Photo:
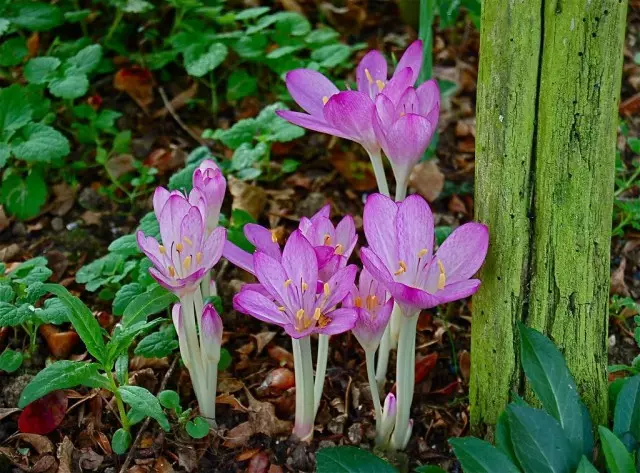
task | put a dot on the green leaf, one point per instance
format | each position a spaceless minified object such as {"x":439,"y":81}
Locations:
{"x":10,"y":360}
{"x":552,"y":382}
{"x":159,"y":344}
{"x":137,"y":6}
{"x":225,"y":360}
{"x":144,"y":402}
{"x":241,"y":84}
{"x":39,"y":70}
{"x":12,"y":316}
{"x":125,"y":295}
{"x":332,"y":55}
{"x":37,"y":274}
{"x":634,"y":145}
{"x":36,"y":16}
{"x":54,"y":312}
{"x":41,"y":143}
{"x":59,"y":375}
{"x":539,"y":442}
{"x":275,"y":128}
{"x":242,"y":132}
{"x":15,"y":111}
{"x":442,"y":232}
{"x":627,"y":411}
{"x":121,"y":441}
{"x":197,"y":428}
{"x":72,"y":85}
{"x":87,"y":59}
{"x":251,"y":46}
{"x":126,"y":245}
{"x":618,"y":459}
{"x":7,"y":294}
{"x":585,"y":466}
{"x":322,"y":36}
{"x":5,"y":153}
{"x":245,"y":156}
{"x":4,"y":25}
{"x":478,"y":456}
{"x":122,"y":369}
{"x":153,"y":301}
{"x":13,"y":51}
{"x":83,"y":321}
{"x":503,"y":438}
{"x":24,"y":198}
{"x":199,"y":62}
{"x":350,"y":460}
{"x":251,"y":13}
{"x":169,"y":399}
{"x":429,"y":469}
{"x":123,"y":337}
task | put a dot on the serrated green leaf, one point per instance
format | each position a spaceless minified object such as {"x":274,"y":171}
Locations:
{"x":126,"y":245}
{"x":54,"y":312}
{"x":144,"y":402}
{"x":619,"y":460}
{"x":38,"y":274}
{"x":478,"y":456}
{"x":87,"y":59}
{"x":13,"y":51}
{"x":41,"y":143}
{"x":7,"y":294}
{"x":552,"y":382}
{"x":627,"y":410}
{"x":155,"y":300}
{"x":241,"y":84}
{"x":199,"y":61}
{"x":332,"y":55}
{"x":350,"y":460}
{"x":125,"y":295}
{"x":72,"y":85}
{"x":123,"y":337}
{"x":15,"y":111}
{"x":83,"y":321}
{"x":10,"y":360}
{"x":245,"y":156}
{"x":251,"y":13}
{"x":242,"y":132}
{"x":40,"y":69}
{"x":24,"y":197}
{"x":197,"y":428}
{"x":59,"y":375}
{"x":158,"y":344}
{"x":36,"y":16}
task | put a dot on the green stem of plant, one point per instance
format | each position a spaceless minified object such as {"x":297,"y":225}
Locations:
{"x":124,"y":420}
{"x":628,"y":183}
{"x":426,"y":35}
{"x":114,"y":25}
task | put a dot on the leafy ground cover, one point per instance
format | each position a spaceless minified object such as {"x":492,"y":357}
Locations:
{"x":101,"y":102}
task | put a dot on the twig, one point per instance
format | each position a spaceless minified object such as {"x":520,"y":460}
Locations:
{"x":163,"y":385}
{"x":177,"y":118}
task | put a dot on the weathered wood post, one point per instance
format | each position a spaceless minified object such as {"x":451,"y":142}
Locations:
{"x":548,"y":90}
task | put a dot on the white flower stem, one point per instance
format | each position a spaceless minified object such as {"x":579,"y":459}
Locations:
{"x":383,"y":357}
{"x":394,"y":323}
{"x":207,"y":401}
{"x":303,"y":370}
{"x":405,"y":379}
{"x":402,"y":182}
{"x":378,"y":171}
{"x":205,"y":285}
{"x":321,"y":370}
{"x":195,"y":364}
{"x":373,"y":386}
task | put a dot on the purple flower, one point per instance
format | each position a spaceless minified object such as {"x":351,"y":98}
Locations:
{"x":349,"y":114}
{"x":289,"y":296}
{"x":187,"y":251}
{"x":400,"y":253}
{"x":211,"y":327}
{"x":373,"y":304}
{"x":262,"y":238}
{"x":208,"y":179}
{"x":404,"y":128}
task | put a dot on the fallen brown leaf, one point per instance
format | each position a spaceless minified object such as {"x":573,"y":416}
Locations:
{"x":357,"y":172}
{"x":65,"y":454}
{"x":427,"y":179}
{"x":59,"y":343}
{"x":247,"y":454}
{"x":45,"y":464}
{"x":137,"y":82}
{"x":631,"y":106}
{"x":259,"y":463}
{"x":618,"y":285}
{"x":262,"y":340}
{"x":252,"y":199}
{"x":41,"y":443}
{"x":162,"y":465}
{"x":179,"y":100}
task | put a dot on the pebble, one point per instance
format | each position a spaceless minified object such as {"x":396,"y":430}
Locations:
{"x":57,"y":224}
{"x":90,"y":199}
{"x":354,"y":434}
{"x":336,"y":425}
{"x":19,"y":229}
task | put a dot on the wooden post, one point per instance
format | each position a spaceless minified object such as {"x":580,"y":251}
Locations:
{"x":548,"y":89}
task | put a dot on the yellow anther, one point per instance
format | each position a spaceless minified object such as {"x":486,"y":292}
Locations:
{"x":162,"y":249}
{"x":442,"y":280}
{"x":305,"y":286}
{"x":402,"y":114}
{"x":188,"y":241}
{"x":380,"y":85}
{"x":372,"y":301}
{"x":187,"y":262}
{"x":198,"y":257}
{"x":368,"y":74}
{"x":339,"y":249}
{"x":300,"y":314}
{"x":179,"y":247}
{"x":281,"y":308}
{"x":286,"y":283}
{"x":402,"y":269}
{"x":326,"y":289}
{"x":358,"y":301}
{"x":327,"y":240}
{"x":422,"y":252}
{"x":325,"y":99}
{"x":317,"y":313}
{"x":323,"y":321}
{"x":172,"y":271}
{"x":274,"y":237}
{"x":306,"y":323}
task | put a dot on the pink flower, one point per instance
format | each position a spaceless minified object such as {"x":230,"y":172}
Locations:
{"x":187,"y":251}
{"x":349,"y":114}
{"x":211,"y":327}
{"x":400,"y":253}
{"x":208,"y":179}
{"x":373,"y":304}
{"x":289,"y":296}
{"x":404,"y":128}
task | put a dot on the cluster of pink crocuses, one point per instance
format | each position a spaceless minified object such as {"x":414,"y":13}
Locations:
{"x":307,"y":287}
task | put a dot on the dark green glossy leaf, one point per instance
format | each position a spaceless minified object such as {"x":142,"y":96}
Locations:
{"x":151,"y":302}
{"x":615,"y":453}
{"x":478,"y":456}
{"x":627,"y":412}
{"x":350,"y":460}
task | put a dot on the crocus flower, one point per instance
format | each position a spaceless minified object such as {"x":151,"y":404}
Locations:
{"x":400,"y":253}
{"x":373,"y":304}
{"x":404,"y":128}
{"x":261,"y":238}
{"x":211,"y":329}
{"x":208,"y":179}
{"x":187,"y":251}
{"x":294,"y":302}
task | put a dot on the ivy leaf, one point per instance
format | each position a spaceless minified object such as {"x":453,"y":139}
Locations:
{"x":10,"y":360}
{"x":24,"y":197}
{"x":245,"y":156}
{"x":87,"y":59}
{"x":199,"y":62}
{"x":144,"y":402}
{"x":197,"y":428}
{"x":39,"y":70}
{"x":41,"y":143}
{"x":63,"y":374}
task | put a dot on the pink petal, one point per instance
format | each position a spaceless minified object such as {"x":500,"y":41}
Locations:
{"x":171,"y":217}
{"x":213,"y":247}
{"x":400,"y":81}
{"x":408,"y":103}
{"x":375,"y":266}
{"x":411,"y":298}
{"x":407,"y":139}
{"x":310,"y":122}
{"x":379,"y":228}
{"x":346,"y":235}
{"x":429,"y":98}
{"x":258,"y":306}
{"x":414,"y":226}
{"x":464,"y":251}
{"x":151,"y":248}
{"x":342,"y":320}
{"x":165,"y":280}
{"x":160,"y":197}
{"x":262,"y":239}
{"x":351,"y":113}
{"x":458,"y":290}
{"x":369,"y":327}
{"x":324,"y":254}
{"x":412,"y":58}
{"x":272,"y":276}
{"x":385,"y":110}
{"x":309,"y":88}
{"x":299,"y":259}
{"x":376,"y":65}
{"x":323,"y":212}
{"x":340,"y":285}
{"x":211,"y":324}
{"x":239,"y":257}
{"x":192,"y":230}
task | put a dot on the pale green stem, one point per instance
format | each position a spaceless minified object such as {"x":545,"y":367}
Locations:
{"x":124,"y":420}
{"x":196,"y":370}
{"x":373,"y":386}
{"x":378,"y":171}
{"x":321,"y":370}
{"x":405,"y":379}
{"x":383,"y":357}
{"x":396,"y":318}
{"x":402,"y":182}
{"x":303,"y":370}
{"x":205,"y":285}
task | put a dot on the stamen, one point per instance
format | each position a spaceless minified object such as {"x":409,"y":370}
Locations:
{"x":188,"y":241}
{"x":358,"y":301}
{"x":339,"y":249}
{"x":287,"y":282}
{"x":317,"y":313}
{"x":300,"y":314}
{"x":380,"y":85}
{"x":198,"y":257}
{"x":172,"y":271}
{"x":368,"y":74}
{"x":162,"y":249}
{"x":187,"y":262}
{"x":422,"y":252}
{"x":274,"y":237}
{"x":179,"y":247}
{"x":327,"y":239}
{"x":325,"y":99}
{"x":372,"y":301}
{"x":402,"y":269}
{"x":323,"y":321}
{"x":326,"y":289}
{"x":305,"y":286}
{"x":442,"y":280}
{"x":281,"y":308}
